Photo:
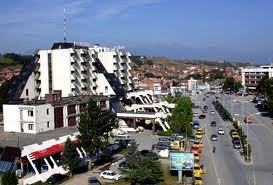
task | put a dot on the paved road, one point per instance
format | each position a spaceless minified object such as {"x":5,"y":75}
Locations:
{"x":260,"y":137}
{"x":225,"y":167}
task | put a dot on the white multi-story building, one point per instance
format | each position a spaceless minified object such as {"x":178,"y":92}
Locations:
{"x":252,"y":76}
{"x":75,"y":70}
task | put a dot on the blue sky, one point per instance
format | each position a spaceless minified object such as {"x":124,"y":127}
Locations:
{"x":239,"y":30}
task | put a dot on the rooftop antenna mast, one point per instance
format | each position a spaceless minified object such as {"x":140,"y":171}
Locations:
{"x":64,"y":25}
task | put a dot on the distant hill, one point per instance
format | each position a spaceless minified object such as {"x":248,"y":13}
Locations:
{"x":139,"y":60}
{"x":13,"y":60}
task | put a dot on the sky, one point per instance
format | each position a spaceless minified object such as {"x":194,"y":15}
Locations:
{"x":235,"y":30}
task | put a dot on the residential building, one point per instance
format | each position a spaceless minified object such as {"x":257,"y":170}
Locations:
{"x":36,"y":116}
{"x":252,"y":76}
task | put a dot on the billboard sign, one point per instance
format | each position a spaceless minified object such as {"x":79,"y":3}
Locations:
{"x":181,"y":161}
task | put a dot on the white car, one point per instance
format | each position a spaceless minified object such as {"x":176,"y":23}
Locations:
{"x":221,"y":131}
{"x":212,"y":112}
{"x":108,"y":174}
{"x":195,"y":114}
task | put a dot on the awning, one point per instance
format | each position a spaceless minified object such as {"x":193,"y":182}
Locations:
{"x":48,"y":151}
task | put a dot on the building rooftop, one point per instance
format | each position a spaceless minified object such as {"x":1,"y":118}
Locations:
{"x":63,"y":101}
{"x":22,"y":139}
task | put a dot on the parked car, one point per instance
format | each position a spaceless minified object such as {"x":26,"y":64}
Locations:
{"x":214,"y":137}
{"x":198,"y":135}
{"x":221,"y":131}
{"x":53,"y":179}
{"x":198,"y":143}
{"x":176,"y":137}
{"x":150,"y":154}
{"x":196,"y":157}
{"x":213,"y":124}
{"x":196,"y":149}
{"x":93,"y":181}
{"x":123,"y":165}
{"x":236,"y":144}
{"x":202,"y":116}
{"x":192,"y":138}
{"x":108,"y":174}
{"x":161,"y":146}
{"x":165,"y":139}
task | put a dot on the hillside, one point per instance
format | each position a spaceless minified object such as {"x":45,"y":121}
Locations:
{"x":14,"y":61}
{"x":180,"y":64}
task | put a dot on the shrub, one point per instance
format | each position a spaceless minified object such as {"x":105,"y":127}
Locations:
{"x":165,"y":133}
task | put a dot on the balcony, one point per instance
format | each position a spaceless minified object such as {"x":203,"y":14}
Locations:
{"x":37,"y":83}
{"x":37,"y":66}
{"x":251,"y":84}
{"x":37,"y":75}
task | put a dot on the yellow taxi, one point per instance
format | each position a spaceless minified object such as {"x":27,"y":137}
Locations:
{"x":234,"y":134}
{"x":198,"y":135}
{"x":201,"y":130}
{"x":198,"y":143}
{"x":196,"y":157}
{"x":197,"y":169}
{"x":198,"y":180}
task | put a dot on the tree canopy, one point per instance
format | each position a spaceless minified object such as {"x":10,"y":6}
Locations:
{"x":94,"y":127}
{"x":9,"y":178}
{"x":231,"y":84}
{"x":266,"y":87}
{"x":182,"y":116}
{"x":142,"y":170}
{"x":70,"y":156}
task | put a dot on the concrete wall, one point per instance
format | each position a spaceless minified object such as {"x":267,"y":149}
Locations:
{"x":44,"y":71}
{"x":29,"y":86}
{"x":61,"y":71}
{"x":42,"y":118}
{"x":18,"y":118}
{"x":102,"y":81}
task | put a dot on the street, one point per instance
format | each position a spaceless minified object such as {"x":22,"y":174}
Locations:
{"x":260,"y":136}
{"x":226,"y":166}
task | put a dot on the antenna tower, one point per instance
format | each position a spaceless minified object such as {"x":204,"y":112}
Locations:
{"x":64,"y":25}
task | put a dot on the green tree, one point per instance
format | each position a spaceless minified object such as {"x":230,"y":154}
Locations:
{"x":266,"y":87}
{"x":149,"y":75}
{"x":142,"y":170}
{"x":231,"y":84}
{"x":3,"y":90}
{"x":182,"y":116}
{"x":70,"y":156}
{"x":9,"y":178}
{"x":216,"y":74}
{"x":94,"y":127}
{"x":196,"y":76}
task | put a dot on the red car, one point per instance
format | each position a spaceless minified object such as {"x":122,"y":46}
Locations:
{"x":196,"y":149}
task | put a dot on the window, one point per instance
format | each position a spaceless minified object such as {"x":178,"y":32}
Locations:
{"x":48,"y":124}
{"x":21,"y":114}
{"x":106,"y":89}
{"x":26,"y":92}
{"x":30,"y":126}
{"x":47,"y":111}
{"x":30,"y":113}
